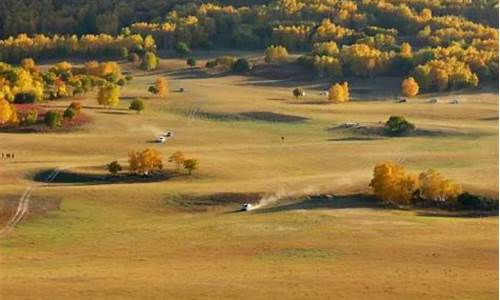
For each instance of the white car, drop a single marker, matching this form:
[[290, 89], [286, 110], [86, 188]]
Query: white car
[[324, 93], [246, 207], [167, 134], [161, 139]]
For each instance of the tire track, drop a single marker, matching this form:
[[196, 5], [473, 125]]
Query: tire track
[[23, 206]]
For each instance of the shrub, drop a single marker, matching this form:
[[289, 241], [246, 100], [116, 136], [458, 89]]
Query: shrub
[[114, 167], [52, 119], [182, 48], [471, 201], [398, 126], [70, 114], [191, 61], [129, 78], [150, 61], [241, 66], [29, 118], [137, 105], [297, 92]]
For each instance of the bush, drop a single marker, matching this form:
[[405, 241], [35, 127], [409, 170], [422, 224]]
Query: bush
[[398, 126], [182, 48], [241, 66], [150, 61], [297, 92], [114, 167], [52, 119], [24, 98], [191, 61], [146, 162], [69, 114], [29, 118], [137, 105], [471, 201]]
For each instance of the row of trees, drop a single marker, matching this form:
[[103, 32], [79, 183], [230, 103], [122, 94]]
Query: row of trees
[[150, 161], [393, 184], [13, 49]]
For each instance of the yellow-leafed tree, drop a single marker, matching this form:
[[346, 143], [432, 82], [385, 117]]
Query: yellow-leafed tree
[[435, 187], [109, 95], [161, 85], [7, 112], [392, 184], [145, 162], [339, 92], [275, 54], [409, 87]]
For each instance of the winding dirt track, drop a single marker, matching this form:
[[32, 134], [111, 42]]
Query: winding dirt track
[[23, 206]]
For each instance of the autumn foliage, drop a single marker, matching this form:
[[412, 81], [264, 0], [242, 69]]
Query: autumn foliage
[[409, 87], [339, 92], [392, 184], [146, 162]]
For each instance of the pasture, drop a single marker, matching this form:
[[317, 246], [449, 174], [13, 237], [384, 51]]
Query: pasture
[[252, 137]]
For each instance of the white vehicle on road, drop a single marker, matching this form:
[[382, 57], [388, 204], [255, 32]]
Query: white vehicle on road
[[167, 134], [161, 139], [246, 207]]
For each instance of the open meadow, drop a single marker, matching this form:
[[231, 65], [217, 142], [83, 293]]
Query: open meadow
[[181, 238]]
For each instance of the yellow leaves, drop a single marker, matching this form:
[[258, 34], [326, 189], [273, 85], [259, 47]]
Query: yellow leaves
[[8, 113], [161, 85], [409, 87], [275, 54], [145, 162], [392, 184], [364, 60], [339, 93], [109, 95], [328, 31], [433, 186], [327, 65], [406, 50]]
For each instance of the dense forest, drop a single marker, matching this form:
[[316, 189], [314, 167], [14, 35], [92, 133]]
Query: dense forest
[[443, 44]]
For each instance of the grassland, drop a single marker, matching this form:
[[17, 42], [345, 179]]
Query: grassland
[[138, 241]]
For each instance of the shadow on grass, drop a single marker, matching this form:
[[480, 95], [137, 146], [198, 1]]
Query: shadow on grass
[[266, 116], [116, 112], [79, 178], [323, 202]]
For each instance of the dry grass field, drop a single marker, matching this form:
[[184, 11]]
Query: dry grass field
[[147, 241]]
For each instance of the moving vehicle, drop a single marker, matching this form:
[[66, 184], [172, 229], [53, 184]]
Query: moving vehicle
[[246, 207]]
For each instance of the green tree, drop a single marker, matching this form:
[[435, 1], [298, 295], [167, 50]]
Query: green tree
[[398, 126], [137, 105], [114, 167], [182, 48], [191, 61], [52, 119]]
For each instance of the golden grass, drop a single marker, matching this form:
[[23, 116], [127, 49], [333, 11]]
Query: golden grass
[[130, 241]]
